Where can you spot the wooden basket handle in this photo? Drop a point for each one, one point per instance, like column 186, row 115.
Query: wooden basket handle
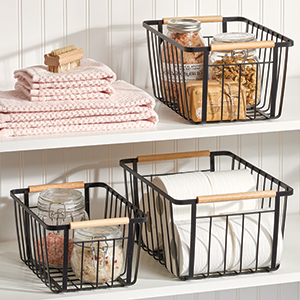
column 66, row 185
column 170, row 156
column 99, row 223
column 203, row 19
column 242, row 46
column 236, row 196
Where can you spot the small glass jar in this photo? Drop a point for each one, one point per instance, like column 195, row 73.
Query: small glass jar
column 98, row 254
column 186, row 32
column 59, row 207
column 237, row 65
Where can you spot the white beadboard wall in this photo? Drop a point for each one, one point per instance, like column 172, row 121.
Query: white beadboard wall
column 110, row 31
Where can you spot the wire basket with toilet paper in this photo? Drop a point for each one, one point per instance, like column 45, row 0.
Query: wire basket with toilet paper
column 225, row 219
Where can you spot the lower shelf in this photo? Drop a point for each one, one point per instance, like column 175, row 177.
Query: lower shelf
column 18, row 282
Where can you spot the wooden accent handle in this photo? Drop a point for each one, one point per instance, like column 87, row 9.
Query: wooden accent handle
column 203, row 19
column 63, row 58
column 170, row 156
column 99, row 223
column 241, row 46
column 236, row 196
column 66, row 185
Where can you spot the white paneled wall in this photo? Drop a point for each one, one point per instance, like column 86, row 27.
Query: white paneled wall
column 110, row 31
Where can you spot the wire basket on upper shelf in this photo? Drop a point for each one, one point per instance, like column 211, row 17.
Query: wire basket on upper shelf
column 235, row 75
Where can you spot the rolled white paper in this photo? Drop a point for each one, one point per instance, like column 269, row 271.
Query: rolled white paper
column 217, row 244
column 152, row 237
column 233, row 181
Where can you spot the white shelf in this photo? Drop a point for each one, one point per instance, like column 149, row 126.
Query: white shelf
column 171, row 126
column 18, row 282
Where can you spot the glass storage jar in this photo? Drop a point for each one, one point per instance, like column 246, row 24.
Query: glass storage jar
column 98, row 254
column 58, row 207
column 186, row 32
column 237, row 65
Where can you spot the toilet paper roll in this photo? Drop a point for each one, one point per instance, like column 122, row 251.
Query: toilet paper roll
column 151, row 235
column 178, row 247
column 215, row 260
column 233, row 181
column 182, row 187
column 252, row 229
column 190, row 185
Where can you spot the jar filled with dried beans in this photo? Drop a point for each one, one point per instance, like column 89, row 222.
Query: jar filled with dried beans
column 241, row 65
column 176, row 63
column 57, row 207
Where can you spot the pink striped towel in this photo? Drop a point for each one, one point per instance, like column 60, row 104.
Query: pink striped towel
column 5, row 133
column 41, row 85
column 127, row 95
column 64, row 93
column 129, row 107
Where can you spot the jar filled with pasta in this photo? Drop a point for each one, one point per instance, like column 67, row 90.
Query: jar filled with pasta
column 98, row 254
column 241, row 66
column 58, row 207
column 177, row 63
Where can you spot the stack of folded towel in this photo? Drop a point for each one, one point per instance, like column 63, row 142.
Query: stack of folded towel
column 86, row 98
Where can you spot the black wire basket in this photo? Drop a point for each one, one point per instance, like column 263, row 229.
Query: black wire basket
column 191, row 248
column 211, row 99
column 35, row 248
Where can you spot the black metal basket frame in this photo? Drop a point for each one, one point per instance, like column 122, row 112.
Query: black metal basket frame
column 30, row 229
column 272, row 60
column 139, row 187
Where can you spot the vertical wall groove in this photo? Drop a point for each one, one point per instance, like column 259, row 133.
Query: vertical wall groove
column 65, row 22
column 282, row 10
column 261, row 11
column 280, row 156
column 43, row 51
column 109, row 35
column 131, row 41
column 21, row 168
column 87, row 27
column 20, row 35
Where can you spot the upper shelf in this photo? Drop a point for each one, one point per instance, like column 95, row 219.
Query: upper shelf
column 170, row 126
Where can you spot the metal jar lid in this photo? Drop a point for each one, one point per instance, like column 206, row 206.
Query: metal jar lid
column 183, row 25
column 69, row 200
column 98, row 233
column 233, row 37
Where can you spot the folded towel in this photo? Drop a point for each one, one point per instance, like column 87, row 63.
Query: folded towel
column 126, row 95
column 79, row 121
column 88, row 70
column 62, row 94
column 5, row 133
column 39, row 84
column 129, row 107
column 17, row 117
